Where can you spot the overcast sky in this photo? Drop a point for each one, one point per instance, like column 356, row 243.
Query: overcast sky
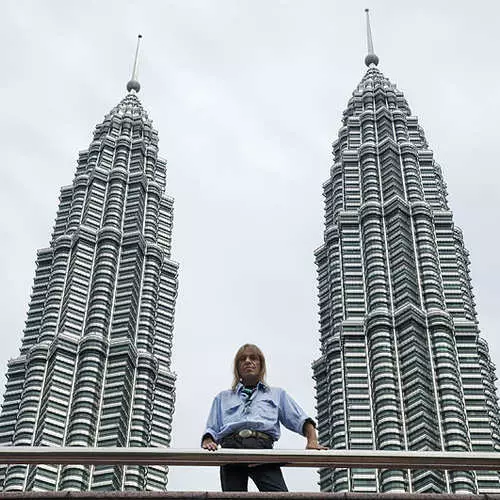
column 247, row 97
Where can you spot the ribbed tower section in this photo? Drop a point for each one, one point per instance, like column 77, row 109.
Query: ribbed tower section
column 94, row 364
column 402, row 365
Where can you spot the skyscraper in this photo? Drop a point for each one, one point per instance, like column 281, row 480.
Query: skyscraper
column 402, row 364
column 94, row 363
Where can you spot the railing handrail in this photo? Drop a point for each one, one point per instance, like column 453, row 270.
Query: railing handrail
column 377, row 459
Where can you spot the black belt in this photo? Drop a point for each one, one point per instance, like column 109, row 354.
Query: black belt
column 248, row 433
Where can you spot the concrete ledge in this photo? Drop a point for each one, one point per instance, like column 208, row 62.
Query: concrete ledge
column 204, row 495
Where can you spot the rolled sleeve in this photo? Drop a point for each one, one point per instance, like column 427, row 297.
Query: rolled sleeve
column 213, row 421
column 291, row 415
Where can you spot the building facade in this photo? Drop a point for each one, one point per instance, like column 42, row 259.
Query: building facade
column 402, row 364
column 94, row 363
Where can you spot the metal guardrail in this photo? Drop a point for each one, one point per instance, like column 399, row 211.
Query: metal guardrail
column 293, row 458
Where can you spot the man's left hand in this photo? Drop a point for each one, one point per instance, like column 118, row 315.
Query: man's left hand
column 312, row 437
column 313, row 444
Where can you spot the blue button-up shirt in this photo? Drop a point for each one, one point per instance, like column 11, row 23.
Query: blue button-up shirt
column 263, row 412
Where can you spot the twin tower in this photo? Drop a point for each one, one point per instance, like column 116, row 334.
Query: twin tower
column 402, row 365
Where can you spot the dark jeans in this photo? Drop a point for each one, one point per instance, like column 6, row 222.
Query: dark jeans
column 234, row 477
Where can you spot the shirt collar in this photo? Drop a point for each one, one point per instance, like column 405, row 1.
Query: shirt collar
column 260, row 386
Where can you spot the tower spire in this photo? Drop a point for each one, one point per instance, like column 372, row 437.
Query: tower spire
column 133, row 84
column 371, row 57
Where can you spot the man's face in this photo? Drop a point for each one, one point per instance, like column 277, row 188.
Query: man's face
column 249, row 365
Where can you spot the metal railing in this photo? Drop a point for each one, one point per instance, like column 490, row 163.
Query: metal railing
column 292, row 458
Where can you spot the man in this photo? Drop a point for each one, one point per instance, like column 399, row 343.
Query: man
column 249, row 416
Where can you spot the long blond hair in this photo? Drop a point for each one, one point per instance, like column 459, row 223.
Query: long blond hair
column 236, row 373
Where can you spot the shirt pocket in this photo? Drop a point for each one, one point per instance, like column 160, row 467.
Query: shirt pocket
column 232, row 413
column 268, row 409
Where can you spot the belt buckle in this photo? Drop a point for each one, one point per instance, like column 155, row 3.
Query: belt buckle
column 245, row 433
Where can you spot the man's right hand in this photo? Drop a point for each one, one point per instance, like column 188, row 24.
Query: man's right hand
column 209, row 444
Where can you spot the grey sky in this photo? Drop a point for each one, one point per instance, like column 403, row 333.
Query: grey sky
column 247, row 97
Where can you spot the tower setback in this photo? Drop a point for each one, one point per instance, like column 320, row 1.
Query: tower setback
column 94, row 364
column 402, row 364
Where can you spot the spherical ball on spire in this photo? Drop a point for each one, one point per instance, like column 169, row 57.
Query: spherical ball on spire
column 133, row 85
column 371, row 59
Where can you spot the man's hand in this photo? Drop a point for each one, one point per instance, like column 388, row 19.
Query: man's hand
column 209, row 444
column 314, row 445
column 312, row 437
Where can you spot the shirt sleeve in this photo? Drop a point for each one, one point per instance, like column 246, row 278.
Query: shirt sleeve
column 291, row 415
column 213, row 420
